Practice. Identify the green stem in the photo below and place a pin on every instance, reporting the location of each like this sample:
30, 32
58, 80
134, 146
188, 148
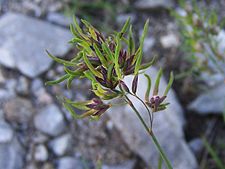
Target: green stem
163, 155
151, 134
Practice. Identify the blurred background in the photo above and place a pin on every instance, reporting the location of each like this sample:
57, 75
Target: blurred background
36, 132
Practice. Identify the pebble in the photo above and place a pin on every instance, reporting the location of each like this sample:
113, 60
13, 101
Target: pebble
6, 132
50, 120
61, 145
69, 163
29, 57
18, 110
59, 19
196, 145
22, 86
40, 153
169, 41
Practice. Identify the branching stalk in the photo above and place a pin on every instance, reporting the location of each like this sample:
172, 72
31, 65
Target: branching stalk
151, 134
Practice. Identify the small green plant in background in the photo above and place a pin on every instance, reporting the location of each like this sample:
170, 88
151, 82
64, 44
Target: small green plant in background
213, 154
200, 28
105, 61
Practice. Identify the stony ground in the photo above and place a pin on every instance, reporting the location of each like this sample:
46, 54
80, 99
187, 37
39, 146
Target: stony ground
36, 132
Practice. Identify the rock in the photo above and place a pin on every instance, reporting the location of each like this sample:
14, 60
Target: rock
38, 137
167, 127
18, 110
220, 38
40, 153
11, 155
43, 97
30, 6
169, 41
48, 166
196, 145
2, 78
36, 85
212, 101
148, 44
11, 85
22, 87
50, 120
6, 132
153, 4
126, 165
122, 18
29, 57
212, 80
61, 144
69, 163
59, 19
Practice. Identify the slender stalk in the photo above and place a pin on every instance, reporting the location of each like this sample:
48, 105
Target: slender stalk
149, 113
151, 134
163, 155
138, 114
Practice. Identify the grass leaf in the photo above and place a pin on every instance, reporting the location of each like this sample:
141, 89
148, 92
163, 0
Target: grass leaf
139, 58
212, 152
125, 27
116, 56
169, 84
64, 62
61, 79
92, 69
100, 56
147, 93
156, 86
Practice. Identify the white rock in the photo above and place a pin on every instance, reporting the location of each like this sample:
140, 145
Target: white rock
2, 78
167, 127
6, 132
41, 153
148, 44
152, 4
11, 155
61, 144
122, 18
59, 19
210, 102
23, 41
169, 41
50, 120
69, 163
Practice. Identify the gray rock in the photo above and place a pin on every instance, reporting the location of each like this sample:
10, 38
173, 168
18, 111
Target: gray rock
169, 41
152, 4
30, 6
2, 78
40, 153
126, 165
22, 86
6, 132
50, 120
18, 110
11, 155
60, 145
122, 18
59, 19
212, 101
212, 80
196, 145
36, 85
148, 44
69, 163
24, 39
167, 127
